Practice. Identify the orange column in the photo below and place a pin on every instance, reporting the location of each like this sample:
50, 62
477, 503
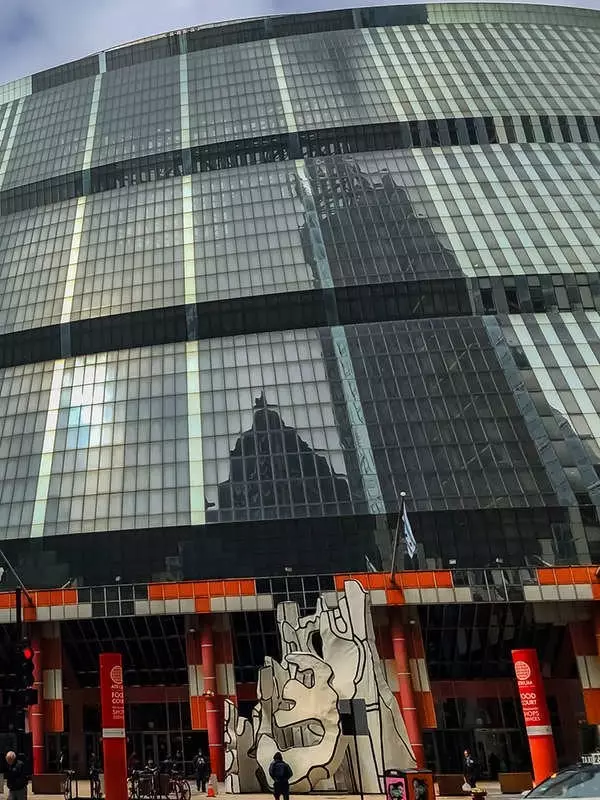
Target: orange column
195, 678
585, 648
206, 701
52, 677
420, 675
214, 716
405, 686
36, 712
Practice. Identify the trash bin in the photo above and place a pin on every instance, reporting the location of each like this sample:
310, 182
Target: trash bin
409, 784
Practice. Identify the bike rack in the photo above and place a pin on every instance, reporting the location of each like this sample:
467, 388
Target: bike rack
75, 785
73, 781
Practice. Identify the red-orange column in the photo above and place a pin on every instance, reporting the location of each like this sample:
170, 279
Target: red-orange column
585, 648
407, 696
214, 716
52, 677
535, 713
36, 712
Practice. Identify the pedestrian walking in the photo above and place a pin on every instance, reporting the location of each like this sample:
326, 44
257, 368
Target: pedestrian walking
16, 777
281, 772
201, 771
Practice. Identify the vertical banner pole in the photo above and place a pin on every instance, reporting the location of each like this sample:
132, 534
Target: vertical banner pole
112, 697
536, 714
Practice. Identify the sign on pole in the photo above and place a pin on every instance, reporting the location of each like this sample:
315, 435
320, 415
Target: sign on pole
112, 698
535, 712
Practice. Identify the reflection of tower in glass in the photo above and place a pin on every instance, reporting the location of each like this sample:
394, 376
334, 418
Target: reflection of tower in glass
370, 230
272, 466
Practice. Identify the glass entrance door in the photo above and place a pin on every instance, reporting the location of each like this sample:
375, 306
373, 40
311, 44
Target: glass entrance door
154, 747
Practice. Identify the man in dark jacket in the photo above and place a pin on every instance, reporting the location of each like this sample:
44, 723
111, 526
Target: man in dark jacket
16, 777
201, 771
470, 769
281, 774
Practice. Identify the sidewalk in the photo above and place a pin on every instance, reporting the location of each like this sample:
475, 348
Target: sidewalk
493, 790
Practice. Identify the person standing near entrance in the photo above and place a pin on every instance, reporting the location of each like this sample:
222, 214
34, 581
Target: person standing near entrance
16, 777
470, 769
281, 772
201, 771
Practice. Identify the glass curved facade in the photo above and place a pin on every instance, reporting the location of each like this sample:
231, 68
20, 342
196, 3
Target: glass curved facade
258, 279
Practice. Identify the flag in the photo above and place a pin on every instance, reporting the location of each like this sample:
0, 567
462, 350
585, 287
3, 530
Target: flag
409, 537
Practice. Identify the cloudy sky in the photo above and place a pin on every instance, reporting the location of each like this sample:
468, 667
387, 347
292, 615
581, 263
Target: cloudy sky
37, 34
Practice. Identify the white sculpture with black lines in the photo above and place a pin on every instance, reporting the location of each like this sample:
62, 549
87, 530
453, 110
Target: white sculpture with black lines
328, 656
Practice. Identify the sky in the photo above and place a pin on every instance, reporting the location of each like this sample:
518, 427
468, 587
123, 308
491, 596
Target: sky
38, 34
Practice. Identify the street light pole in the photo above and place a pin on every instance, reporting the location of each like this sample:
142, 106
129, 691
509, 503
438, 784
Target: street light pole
20, 713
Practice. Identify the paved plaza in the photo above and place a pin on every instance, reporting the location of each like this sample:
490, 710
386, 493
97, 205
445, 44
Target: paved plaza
493, 790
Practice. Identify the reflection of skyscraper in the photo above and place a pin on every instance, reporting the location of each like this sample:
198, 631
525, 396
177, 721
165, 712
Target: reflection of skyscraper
271, 466
369, 228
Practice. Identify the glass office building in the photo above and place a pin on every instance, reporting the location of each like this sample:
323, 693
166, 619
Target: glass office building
258, 279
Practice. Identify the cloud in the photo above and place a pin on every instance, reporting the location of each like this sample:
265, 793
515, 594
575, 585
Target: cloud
38, 34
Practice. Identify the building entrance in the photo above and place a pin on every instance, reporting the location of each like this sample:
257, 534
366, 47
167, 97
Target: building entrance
156, 746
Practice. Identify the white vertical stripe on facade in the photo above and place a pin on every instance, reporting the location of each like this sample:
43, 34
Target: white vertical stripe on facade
577, 388
184, 100
102, 62
358, 426
67, 305
195, 680
4, 124
189, 257
11, 140
383, 73
43, 482
584, 678
52, 684
284, 92
400, 54
91, 131
433, 53
592, 664
538, 366
225, 679
196, 469
423, 675
414, 674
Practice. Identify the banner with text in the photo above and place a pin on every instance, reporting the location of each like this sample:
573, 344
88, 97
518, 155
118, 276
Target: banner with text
535, 713
112, 698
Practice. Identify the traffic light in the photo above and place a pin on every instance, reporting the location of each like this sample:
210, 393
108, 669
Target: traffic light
25, 674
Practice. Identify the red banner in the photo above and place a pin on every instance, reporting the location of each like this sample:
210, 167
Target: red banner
112, 693
531, 689
535, 713
112, 698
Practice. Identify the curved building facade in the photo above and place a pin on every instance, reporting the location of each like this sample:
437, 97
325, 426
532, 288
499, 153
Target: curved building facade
259, 279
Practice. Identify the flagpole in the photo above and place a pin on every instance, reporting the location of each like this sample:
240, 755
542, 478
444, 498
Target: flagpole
397, 538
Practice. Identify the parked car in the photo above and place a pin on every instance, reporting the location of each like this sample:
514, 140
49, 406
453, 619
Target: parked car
579, 781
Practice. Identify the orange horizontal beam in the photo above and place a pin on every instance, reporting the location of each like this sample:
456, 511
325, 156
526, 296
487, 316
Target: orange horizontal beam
197, 590
425, 579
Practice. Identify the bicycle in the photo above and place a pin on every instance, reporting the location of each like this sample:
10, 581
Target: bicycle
179, 787
69, 780
95, 785
145, 784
